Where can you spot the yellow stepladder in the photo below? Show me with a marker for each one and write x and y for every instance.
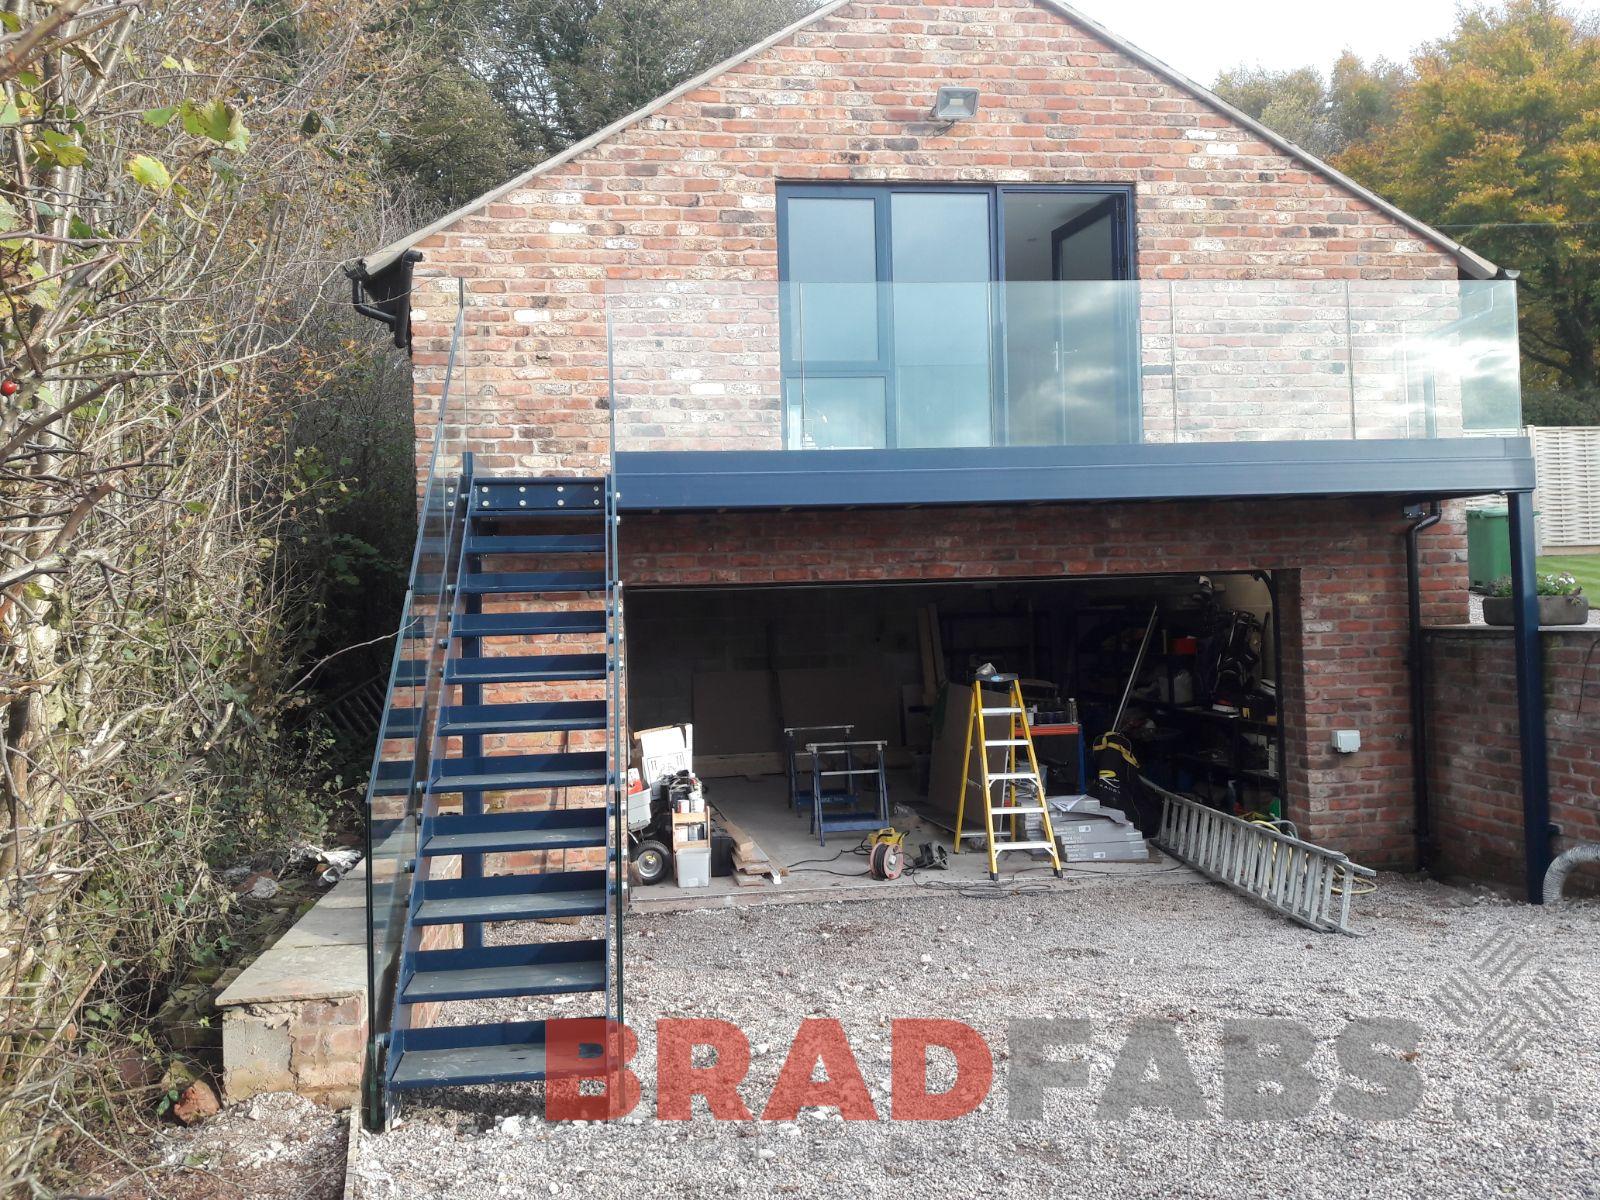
(1018, 735)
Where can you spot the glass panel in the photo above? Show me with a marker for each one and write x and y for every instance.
(837, 414)
(943, 330)
(406, 738)
(1072, 367)
(1491, 366)
(1182, 360)
(833, 253)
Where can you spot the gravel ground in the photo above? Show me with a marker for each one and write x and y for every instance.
(279, 1147)
(1185, 955)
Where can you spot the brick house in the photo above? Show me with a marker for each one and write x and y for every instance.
(920, 319)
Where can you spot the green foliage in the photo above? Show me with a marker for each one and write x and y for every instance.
(1322, 115)
(1547, 404)
(1492, 134)
(150, 172)
(1547, 583)
(455, 142)
(519, 80)
(1498, 141)
(206, 461)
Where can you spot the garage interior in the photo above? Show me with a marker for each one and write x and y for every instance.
(895, 663)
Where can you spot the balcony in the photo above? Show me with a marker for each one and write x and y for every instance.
(769, 395)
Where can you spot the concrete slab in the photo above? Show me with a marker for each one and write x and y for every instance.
(306, 972)
(327, 924)
(835, 872)
(349, 892)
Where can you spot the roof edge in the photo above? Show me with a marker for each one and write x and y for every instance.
(1470, 262)
(379, 260)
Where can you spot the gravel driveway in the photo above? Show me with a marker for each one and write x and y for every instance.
(1164, 951)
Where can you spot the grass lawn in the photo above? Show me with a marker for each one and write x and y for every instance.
(1585, 566)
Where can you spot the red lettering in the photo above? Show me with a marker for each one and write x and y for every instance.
(589, 1048)
(909, 1041)
(820, 1039)
(678, 1080)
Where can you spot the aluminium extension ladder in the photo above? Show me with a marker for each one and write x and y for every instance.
(1024, 785)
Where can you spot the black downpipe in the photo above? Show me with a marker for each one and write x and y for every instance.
(1426, 517)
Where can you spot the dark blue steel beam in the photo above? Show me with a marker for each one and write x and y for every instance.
(1530, 695)
(767, 479)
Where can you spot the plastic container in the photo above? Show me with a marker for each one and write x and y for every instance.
(693, 866)
(1489, 544)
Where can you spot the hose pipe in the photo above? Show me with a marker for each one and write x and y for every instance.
(1555, 879)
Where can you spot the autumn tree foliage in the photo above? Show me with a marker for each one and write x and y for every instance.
(1498, 141)
(178, 182)
(1492, 134)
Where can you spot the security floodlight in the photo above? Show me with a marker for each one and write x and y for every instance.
(954, 104)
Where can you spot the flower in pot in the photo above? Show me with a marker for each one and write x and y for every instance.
(1561, 600)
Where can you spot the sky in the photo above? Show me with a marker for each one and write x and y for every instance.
(1202, 37)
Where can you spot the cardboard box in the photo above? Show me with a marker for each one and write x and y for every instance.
(664, 750)
(691, 829)
(1127, 852)
(1086, 831)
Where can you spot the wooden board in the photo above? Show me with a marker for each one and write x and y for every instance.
(867, 698)
(733, 766)
(949, 746)
(743, 766)
(735, 712)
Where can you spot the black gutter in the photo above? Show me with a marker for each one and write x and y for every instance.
(390, 290)
(1426, 517)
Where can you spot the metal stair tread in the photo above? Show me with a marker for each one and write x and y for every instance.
(458, 1055)
(503, 833)
(539, 543)
(556, 716)
(393, 778)
(510, 906)
(504, 772)
(495, 982)
(517, 624)
(483, 583)
(457, 1067)
(539, 668)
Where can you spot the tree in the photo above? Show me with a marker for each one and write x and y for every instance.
(178, 184)
(566, 68)
(515, 81)
(1323, 116)
(1498, 141)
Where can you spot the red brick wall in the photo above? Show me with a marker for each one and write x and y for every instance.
(1474, 756)
(1341, 565)
(690, 193)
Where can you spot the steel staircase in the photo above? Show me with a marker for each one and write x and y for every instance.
(495, 793)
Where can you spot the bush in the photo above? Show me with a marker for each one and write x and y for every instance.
(1547, 583)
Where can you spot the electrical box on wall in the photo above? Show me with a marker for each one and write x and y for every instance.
(1347, 741)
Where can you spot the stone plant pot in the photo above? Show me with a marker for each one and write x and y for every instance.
(1553, 610)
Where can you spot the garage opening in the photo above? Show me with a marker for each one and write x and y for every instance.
(760, 675)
